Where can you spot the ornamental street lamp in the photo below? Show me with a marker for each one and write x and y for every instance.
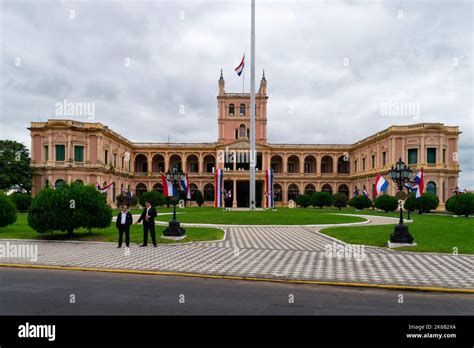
(174, 230)
(400, 175)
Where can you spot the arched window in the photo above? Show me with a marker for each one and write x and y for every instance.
(309, 189)
(293, 191)
(59, 183)
(343, 164)
(326, 164)
(242, 109)
(79, 182)
(327, 188)
(277, 192)
(209, 192)
(343, 189)
(158, 187)
(141, 164)
(140, 189)
(431, 187)
(231, 110)
(242, 131)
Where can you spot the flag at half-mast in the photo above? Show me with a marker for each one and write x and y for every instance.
(240, 68)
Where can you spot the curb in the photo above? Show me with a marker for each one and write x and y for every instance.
(274, 280)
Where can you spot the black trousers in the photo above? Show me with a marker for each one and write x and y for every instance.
(122, 229)
(149, 226)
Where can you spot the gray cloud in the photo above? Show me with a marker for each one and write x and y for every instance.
(421, 55)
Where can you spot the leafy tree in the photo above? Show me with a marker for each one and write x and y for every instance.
(411, 203)
(321, 199)
(339, 200)
(156, 198)
(428, 201)
(424, 204)
(386, 203)
(22, 201)
(69, 208)
(7, 210)
(462, 204)
(198, 197)
(15, 170)
(360, 202)
(303, 200)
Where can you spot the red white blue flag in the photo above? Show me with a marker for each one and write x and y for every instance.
(420, 181)
(169, 190)
(381, 185)
(219, 179)
(240, 68)
(269, 188)
(103, 189)
(185, 186)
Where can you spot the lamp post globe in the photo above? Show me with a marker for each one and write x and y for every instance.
(400, 175)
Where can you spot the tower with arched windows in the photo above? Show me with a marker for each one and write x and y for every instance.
(234, 114)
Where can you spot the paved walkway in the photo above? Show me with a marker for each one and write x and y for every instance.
(282, 252)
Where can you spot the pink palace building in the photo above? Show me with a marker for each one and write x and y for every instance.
(90, 152)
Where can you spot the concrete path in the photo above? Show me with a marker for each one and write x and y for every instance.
(276, 252)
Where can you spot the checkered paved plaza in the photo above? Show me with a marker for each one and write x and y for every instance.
(282, 252)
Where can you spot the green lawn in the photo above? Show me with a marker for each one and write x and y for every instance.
(282, 216)
(21, 230)
(432, 233)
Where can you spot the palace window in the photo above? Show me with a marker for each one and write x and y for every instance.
(231, 109)
(384, 158)
(373, 161)
(444, 156)
(60, 152)
(355, 166)
(242, 109)
(79, 153)
(431, 155)
(242, 131)
(431, 187)
(106, 156)
(46, 153)
(412, 156)
(363, 164)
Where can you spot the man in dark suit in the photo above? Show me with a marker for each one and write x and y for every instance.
(148, 218)
(124, 220)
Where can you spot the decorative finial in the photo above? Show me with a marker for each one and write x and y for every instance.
(263, 77)
(222, 77)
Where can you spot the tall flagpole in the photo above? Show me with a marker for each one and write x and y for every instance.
(252, 108)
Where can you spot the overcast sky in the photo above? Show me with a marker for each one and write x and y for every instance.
(337, 71)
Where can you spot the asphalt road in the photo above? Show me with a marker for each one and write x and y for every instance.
(48, 292)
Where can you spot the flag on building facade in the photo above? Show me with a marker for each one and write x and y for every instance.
(218, 187)
(169, 190)
(381, 185)
(105, 188)
(240, 68)
(185, 186)
(420, 181)
(365, 193)
(269, 187)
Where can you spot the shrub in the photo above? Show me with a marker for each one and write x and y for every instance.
(68, 208)
(386, 203)
(7, 210)
(339, 200)
(125, 198)
(22, 201)
(424, 204)
(321, 199)
(303, 200)
(198, 197)
(360, 202)
(462, 204)
(156, 198)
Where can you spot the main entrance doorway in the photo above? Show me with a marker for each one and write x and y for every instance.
(243, 188)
